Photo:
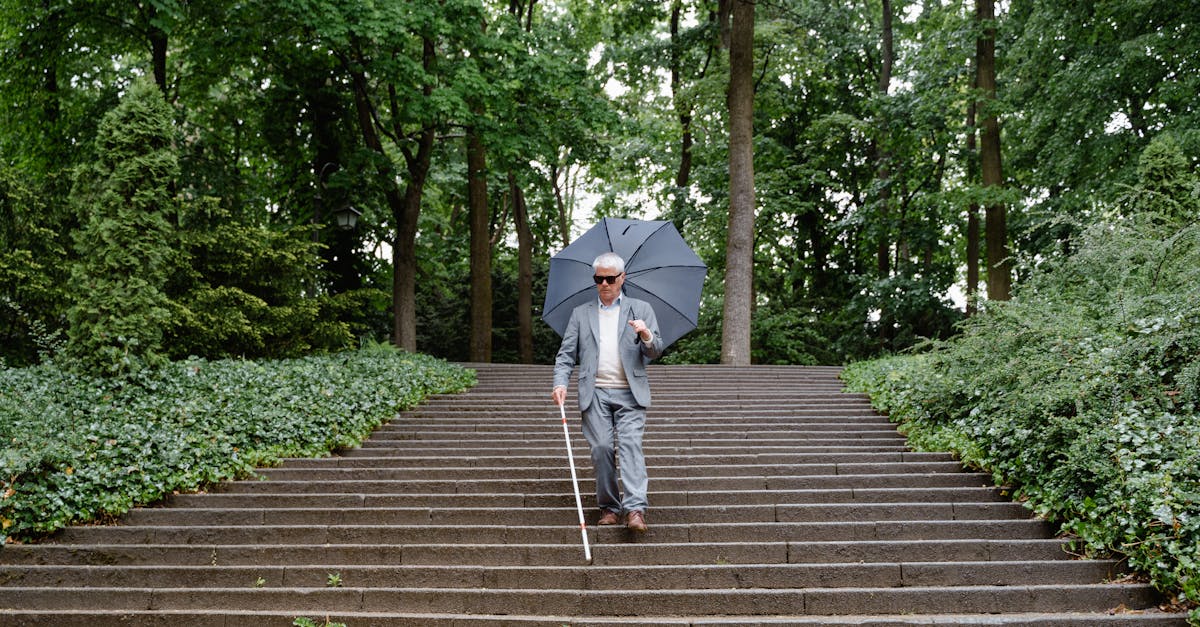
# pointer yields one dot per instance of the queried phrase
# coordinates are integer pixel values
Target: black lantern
(347, 217)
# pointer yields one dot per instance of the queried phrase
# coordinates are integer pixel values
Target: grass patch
(79, 449)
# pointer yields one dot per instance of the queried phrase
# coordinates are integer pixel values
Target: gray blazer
(580, 346)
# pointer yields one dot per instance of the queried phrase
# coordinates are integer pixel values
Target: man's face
(609, 291)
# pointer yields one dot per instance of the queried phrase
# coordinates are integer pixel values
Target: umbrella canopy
(660, 269)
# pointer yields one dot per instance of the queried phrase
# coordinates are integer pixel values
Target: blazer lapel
(626, 315)
(594, 321)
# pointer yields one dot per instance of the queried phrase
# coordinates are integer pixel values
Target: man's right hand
(559, 395)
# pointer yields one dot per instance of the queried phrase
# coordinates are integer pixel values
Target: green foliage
(1166, 182)
(1089, 84)
(779, 335)
(304, 621)
(1081, 393)
(125, 199)
(861, 193)
(245, 290)
(33, 271)
(80, 448)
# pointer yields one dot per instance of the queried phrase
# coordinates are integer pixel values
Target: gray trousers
(614, 414)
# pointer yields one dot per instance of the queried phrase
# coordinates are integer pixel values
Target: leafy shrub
(247, 290)
(33, 270)
(78, 448)
(1081, 393)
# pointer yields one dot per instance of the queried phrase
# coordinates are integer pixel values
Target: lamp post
(347, 217)
(319, 201)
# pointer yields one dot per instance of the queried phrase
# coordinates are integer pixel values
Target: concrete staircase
(776, 499)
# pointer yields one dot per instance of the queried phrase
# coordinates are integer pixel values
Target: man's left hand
(642, 330)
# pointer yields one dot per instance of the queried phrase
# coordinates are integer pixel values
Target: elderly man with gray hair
(612, 339)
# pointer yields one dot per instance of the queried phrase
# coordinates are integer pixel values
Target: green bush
(78, 448)
(1081, 393)
(247, 290)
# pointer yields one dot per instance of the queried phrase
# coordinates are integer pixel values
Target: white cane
(587, 550)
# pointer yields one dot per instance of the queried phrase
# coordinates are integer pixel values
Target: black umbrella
(660, 269)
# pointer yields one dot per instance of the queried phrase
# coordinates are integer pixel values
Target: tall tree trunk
(524, 240)
(883, 247)
(406, 212)
(158, 47)
(739, 250)
(564, 213)
(972, 222)
(683, 108)
(405, 206)
(883, 84)
(480, 340)
(999, 267)
(524, 272)
(51, 103)
(158, 57)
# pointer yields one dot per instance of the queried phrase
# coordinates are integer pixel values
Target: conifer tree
(124, 198)
(1166, 180)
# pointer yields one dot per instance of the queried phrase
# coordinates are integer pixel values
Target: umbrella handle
(587, 550)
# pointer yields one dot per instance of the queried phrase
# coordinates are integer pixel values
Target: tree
(972, 236)
(883, 85)
(117, 323)
(739, 251)
(1167, 184)
(480, 341)
(1090, 85)
(383, 51)
(999, 262)
(739, 257)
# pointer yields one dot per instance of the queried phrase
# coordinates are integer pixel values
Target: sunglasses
(605, 279)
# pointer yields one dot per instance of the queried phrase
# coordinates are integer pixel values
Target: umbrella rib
(637, 250)
(563, 302)
(667, 305)
(663, 267)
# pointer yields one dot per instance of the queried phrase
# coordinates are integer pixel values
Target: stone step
(180, 504)
(266, 546)
(749, 602)
(406, 457)
(380, 467)
(823, 475)
(384, 451)
(442, 440)
(857, 441)
(663, 476)
(902, 530)
(660, 428)
(472, 483)
(515, 509)
(858, 455)
(668, 514)
(688, 408)
(661, 417)
(227, 618)
(594, 577)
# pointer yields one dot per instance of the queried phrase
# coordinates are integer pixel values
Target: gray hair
(609, 260)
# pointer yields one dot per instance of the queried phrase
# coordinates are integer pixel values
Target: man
(612, 339)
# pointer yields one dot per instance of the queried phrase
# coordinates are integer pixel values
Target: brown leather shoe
(609, 517)
(636, 522)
